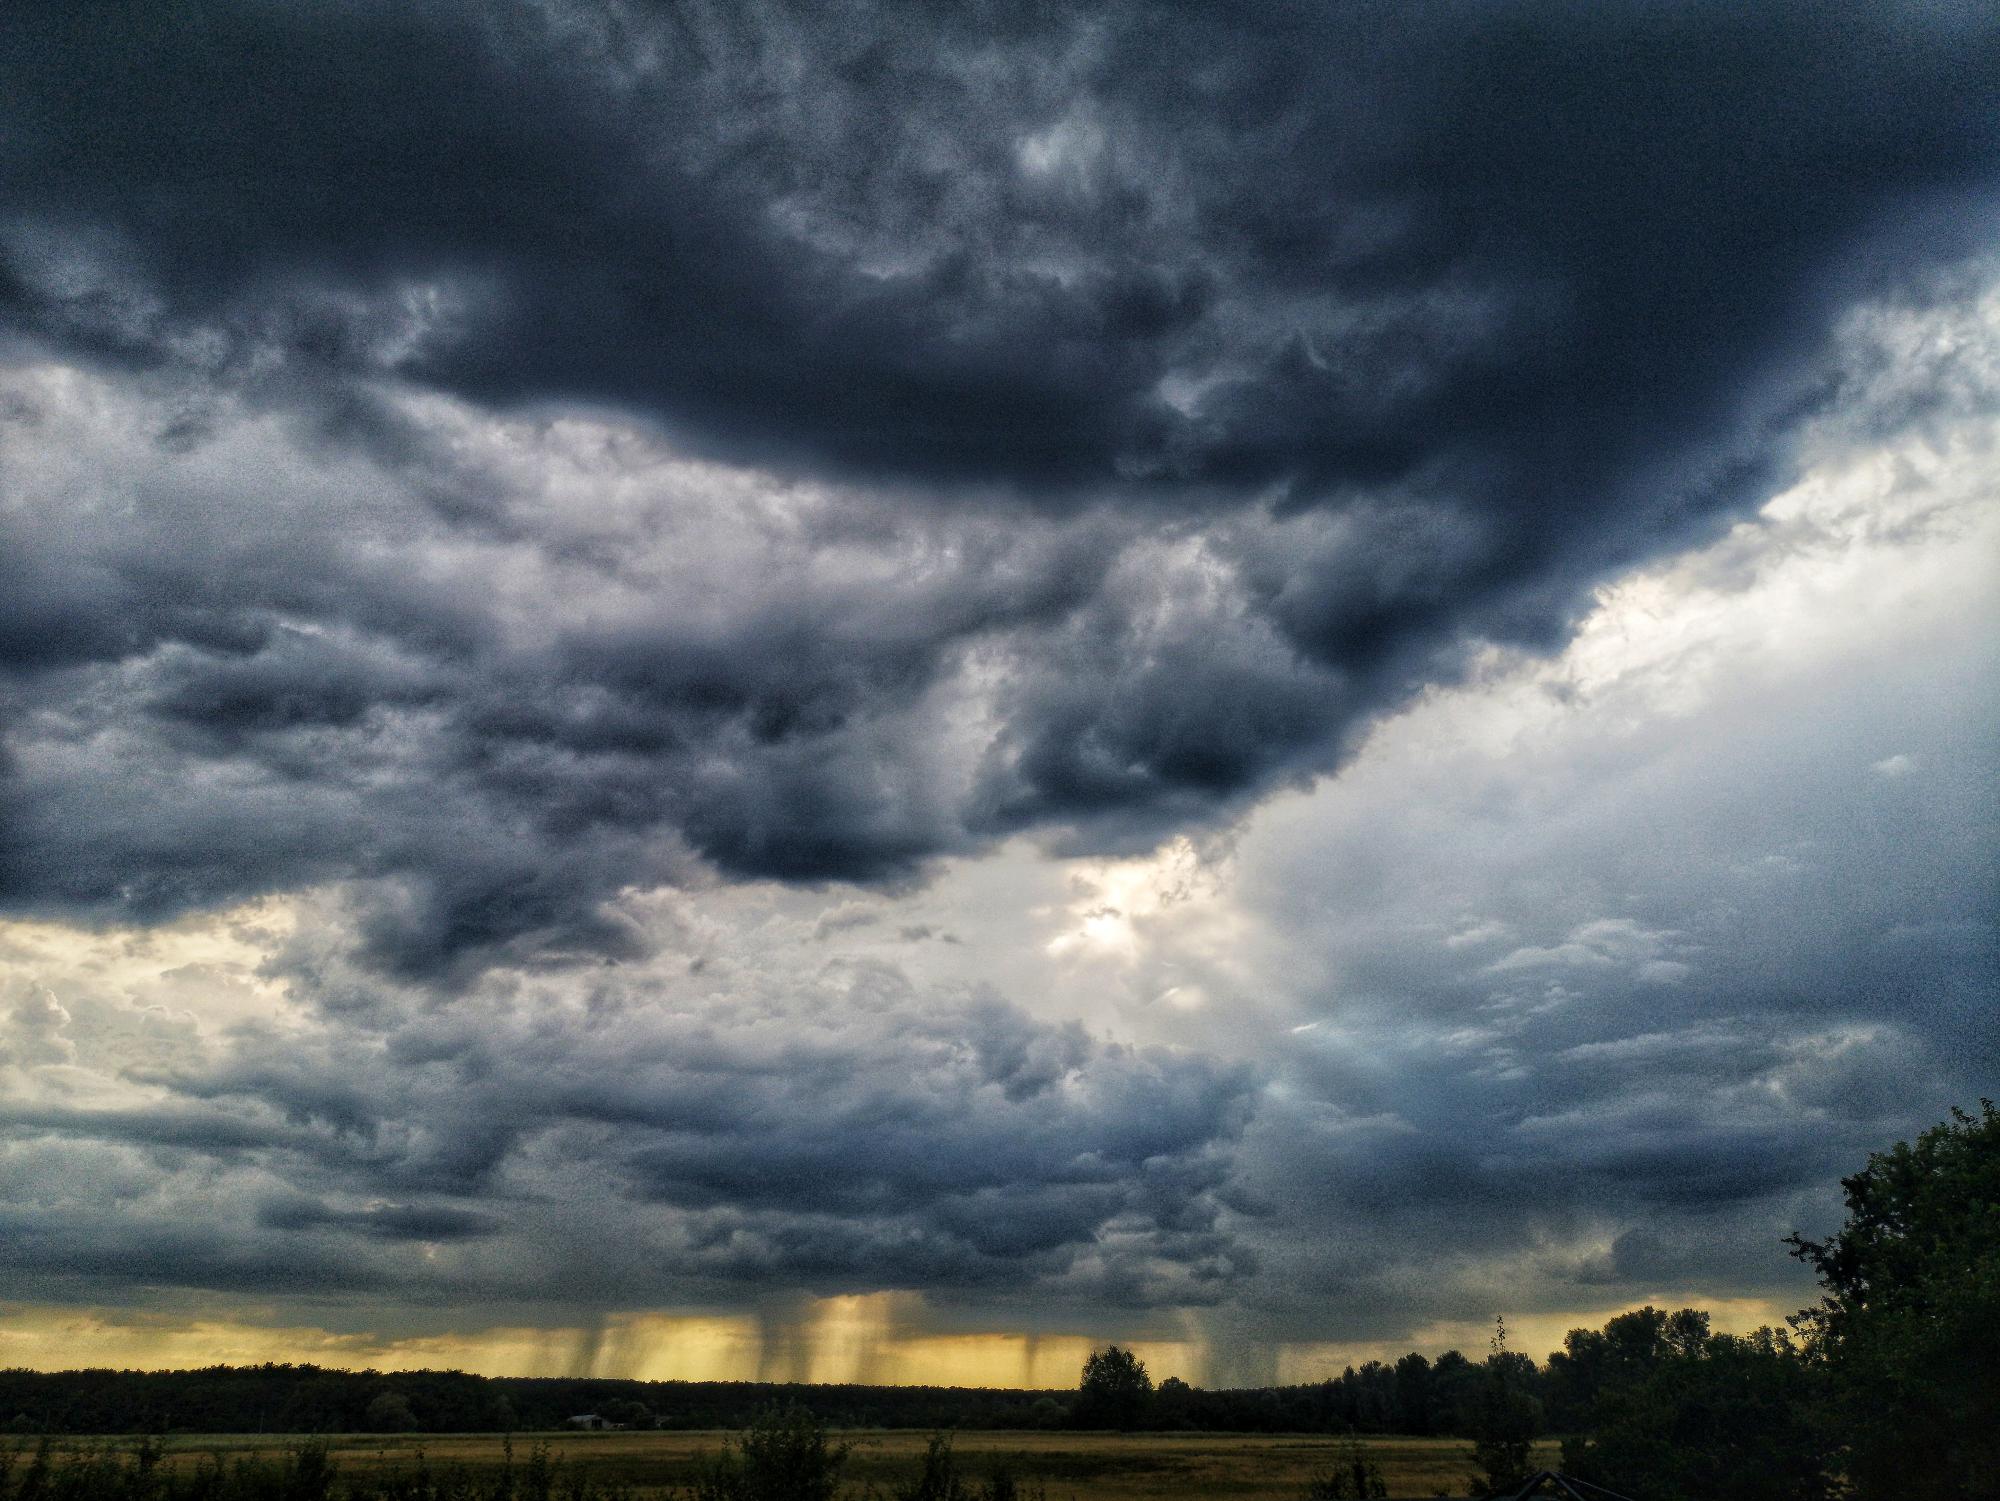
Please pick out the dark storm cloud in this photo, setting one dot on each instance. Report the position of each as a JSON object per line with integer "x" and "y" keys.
{"x": 1403, "y": 326}
{"x": 203, "y": 1131}
{"x": 418, "y": 1222}
{"x": 311, "y": 675}
{"x": 1532, "y": 244}
{"x": 66, "y": 1255}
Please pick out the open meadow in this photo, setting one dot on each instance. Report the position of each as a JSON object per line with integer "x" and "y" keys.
{"x": 1070, "y": 1466}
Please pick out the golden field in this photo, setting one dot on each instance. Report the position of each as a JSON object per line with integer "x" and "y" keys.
{"x": 1071, "y": 1466}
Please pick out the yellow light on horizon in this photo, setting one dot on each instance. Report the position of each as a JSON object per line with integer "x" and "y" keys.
{"x": 862, "y": 1339}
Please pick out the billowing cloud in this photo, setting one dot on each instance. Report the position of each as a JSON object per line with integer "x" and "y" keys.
{"x": 682, "y": 1135}
{"x": 1274, "y": 672}
{"x": 1196, "y": 412}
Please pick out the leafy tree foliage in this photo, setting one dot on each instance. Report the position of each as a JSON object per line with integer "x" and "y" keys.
{"x": 1174, "y": 1404}
{"x": 1910, "y": 1306}
{"x": 390, "y": 1413}
{"x": 1677, "y": 1413}
{"x": 1374, "y": 1398}
{"x": 1506, "y": 1417}
{"x": 1414, "y": 1395}
{"x": 314, "y": 1399}
{"x": 1115, "y": 1391}
{"x": 1625, "y": 1352}
{"x": 1046, "y": 1412}
{"x": 1455, "y": 1391}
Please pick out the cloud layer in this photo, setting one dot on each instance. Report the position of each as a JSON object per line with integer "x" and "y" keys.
{"x": 1207, "y": 384}
{"x": 1103, "y": 666}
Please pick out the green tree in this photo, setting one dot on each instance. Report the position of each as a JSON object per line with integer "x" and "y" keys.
{"x": 1506, "y": 1416}
{"x": 1413, "y": 1394}
{"x": 1173, "y": 1404}
{"x": 1722, "y": 1419}
{"x": 1625, "y": 1352}
{"x": 1911, "y": 1300}
{"x": 1456, "y": 1384}
{"x": 1115, "y": 1391}
{"x": 389, "y": 1413}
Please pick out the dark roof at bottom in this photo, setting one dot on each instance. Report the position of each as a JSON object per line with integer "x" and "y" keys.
{"x": 1549, "y": 1483}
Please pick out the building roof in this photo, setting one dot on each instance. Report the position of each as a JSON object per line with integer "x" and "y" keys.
{"x": 1566, "y": 1487}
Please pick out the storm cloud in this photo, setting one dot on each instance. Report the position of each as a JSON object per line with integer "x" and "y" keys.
{"x": 1144, "y": 401}
{"x": 661, "y": 1135}
{"x": 964, "y": 649}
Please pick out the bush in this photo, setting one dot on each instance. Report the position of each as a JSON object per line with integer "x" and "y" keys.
{"x": 1004, "y": 1487}
{"x": 1354, "y": 1477}
{"x": 783, "y": 1456}
{"x": 937, "y": 1477}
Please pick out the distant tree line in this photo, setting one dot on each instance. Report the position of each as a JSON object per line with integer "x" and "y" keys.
{"x": 1412, "y": 1396}
{"x": 315, "y": 1399}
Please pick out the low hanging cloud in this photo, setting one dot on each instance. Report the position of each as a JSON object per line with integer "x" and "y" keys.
{"x": 658, "y": 1139}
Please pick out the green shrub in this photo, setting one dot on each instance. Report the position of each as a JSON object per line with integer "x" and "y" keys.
{"x": 783, "y": 1456}
{"x": 1354, "y": 1477}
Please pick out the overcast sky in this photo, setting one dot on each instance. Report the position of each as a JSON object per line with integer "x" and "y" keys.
{"x": 868, "y": 691}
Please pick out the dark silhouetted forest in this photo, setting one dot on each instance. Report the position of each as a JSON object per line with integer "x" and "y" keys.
{"x": 1412, "y": 1396}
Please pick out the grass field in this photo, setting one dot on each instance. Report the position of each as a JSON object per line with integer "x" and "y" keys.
{"x": 1072, "y": 1466}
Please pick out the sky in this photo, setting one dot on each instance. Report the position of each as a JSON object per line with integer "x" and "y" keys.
{"x": 874, "y": 692}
